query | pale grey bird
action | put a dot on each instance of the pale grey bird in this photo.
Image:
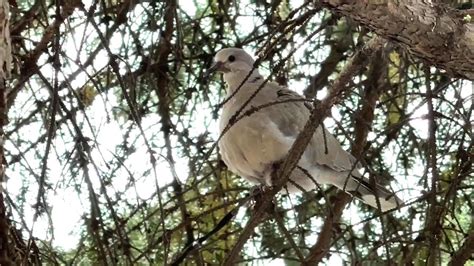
(255, 143)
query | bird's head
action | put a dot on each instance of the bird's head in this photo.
(232, 60)
(235, 63)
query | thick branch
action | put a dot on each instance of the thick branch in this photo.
(6, 246)
(465, 252)
(435, 33)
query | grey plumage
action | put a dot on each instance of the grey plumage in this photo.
(256, 142)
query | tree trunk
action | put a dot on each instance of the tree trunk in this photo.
(442, 36)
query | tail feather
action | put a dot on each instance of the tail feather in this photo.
(371, 194)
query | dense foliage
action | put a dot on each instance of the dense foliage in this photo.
(111, 141)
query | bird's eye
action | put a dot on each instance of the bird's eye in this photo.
(231, 58)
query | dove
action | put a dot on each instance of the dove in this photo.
(254, 143)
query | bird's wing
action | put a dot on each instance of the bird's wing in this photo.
(290, 113)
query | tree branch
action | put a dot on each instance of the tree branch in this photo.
(433, 32)
(464, 252)
(7, 247)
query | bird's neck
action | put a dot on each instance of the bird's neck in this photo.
(235, 78)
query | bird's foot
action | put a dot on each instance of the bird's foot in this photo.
(257, 193)
(258, 190)
(274, 172)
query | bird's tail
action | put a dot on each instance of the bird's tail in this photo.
(371, 194)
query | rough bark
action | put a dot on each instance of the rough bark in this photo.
(465, 252)
(6, 247)
(441, 36)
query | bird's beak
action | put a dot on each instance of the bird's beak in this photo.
(217, 66)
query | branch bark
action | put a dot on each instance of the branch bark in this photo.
(6, 246)
(465, 252)
(435, 33)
